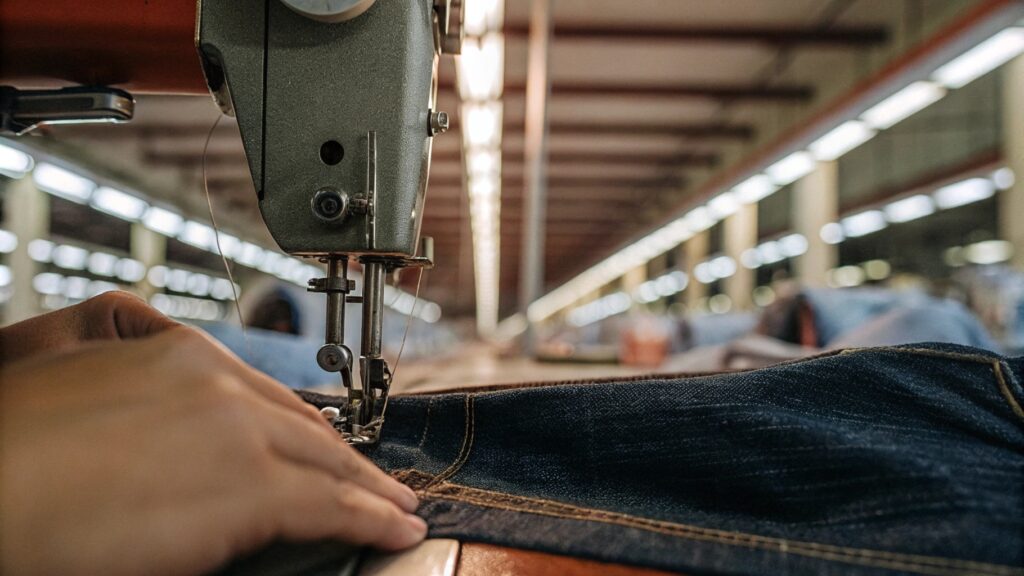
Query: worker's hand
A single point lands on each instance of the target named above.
(168, 455)
(109, 316)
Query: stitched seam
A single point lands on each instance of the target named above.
(1004, 389)
(877, 558)
(995, 364)
(426, 424)
(467, 445)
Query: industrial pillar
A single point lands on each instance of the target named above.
(27, 215)
(538, 89)
(150, 248)
(632, 280)
(695, 250)
(815, 204)
(1011, 200)
(740, 231)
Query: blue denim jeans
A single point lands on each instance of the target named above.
(873, 461)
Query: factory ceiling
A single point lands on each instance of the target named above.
(650, 98)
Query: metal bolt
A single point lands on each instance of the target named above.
(330, 205)
(438, 123)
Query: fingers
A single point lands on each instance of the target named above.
(302, 442)
(311, 505)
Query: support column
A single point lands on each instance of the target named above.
(1011, 201)
(695, 250)
(632, 280)
(740, 234)
(150, 248)
(538, 89)
(27, 212)
(815, 204)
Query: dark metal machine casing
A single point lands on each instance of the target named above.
(294, 83)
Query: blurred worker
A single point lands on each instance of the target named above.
(132, 444)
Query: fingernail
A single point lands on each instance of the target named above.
(417, 525)
(410, 502)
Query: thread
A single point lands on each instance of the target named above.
(216, 237)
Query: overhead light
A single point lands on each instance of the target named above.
(763, 296)
(70, 257)
(791, 168)
(770, 252)
(907, 209)
(130, 270)
(482, 16)
(864, 223)
(841, 140)
(699, 219)
(157, 276)
(845, 277)
(482, 124)
(249, 255)
(988, 252)
(483, 162)
(64, 183)
(965, 192)
(723, 205)
(163, 221)
(5, 276)
(101, 263)
(876, 269)
(1003, 178)
(600, 309)
(481, 68)
(903, 104)
(719, 304)
(722, 267)
(981, 59)
(118, 203)
(40, 250)
(8, 241)
(198, 235)
(751, 259)
(792, 245)
(755, 189)
(48, 283)
(832, 233)
(14, 162)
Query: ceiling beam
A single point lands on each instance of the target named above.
(843, 36)
(758, 92)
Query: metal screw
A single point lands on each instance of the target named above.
(330, 205)
(438, 123)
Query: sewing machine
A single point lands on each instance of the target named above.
(335, 101)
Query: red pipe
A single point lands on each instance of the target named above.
(143, 46)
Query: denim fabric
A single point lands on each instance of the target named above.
(286, 358)
(873, 461)
(836, 312)
(930, 321)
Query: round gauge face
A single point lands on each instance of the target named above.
(329, 10)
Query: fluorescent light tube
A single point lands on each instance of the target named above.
(981, 59)
(754, 189)
(63, 183)
(791, 168)
(14, 162)
(903, 104)
(864, 223)
(841, 140)
(965, 192)
(907, 209)
(118, 203)
(163, 221)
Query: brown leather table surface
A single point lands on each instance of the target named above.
(488, 560)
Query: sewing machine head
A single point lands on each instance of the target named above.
(335, 102)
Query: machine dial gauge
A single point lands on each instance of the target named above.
(329, 10)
